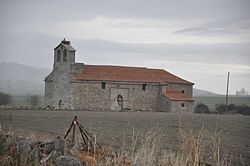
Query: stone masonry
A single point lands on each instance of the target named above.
(78, 86)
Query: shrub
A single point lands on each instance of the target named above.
(220, 108)
(241, 109)
(245, 110)
(202, 108)
(231, 107)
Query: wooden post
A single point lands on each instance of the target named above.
(74, 128)
(228, 74)
(88, 139)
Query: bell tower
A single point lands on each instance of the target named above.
(64, 55)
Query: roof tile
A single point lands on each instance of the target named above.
(177, 96)
(122, 73)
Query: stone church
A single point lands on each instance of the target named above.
(78, 86)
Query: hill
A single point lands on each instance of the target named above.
(199, 92)
(22, 79)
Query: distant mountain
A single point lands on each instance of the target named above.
(22, 79)
(199, 92)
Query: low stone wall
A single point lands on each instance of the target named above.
(27, 151)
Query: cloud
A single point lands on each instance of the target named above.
(132, 30)
(197, 37)
(100, 50)
(127, 21)
(37, 49)
(64, 10)
(230, 26)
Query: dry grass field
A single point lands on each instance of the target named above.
(114, 128)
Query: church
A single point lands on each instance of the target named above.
(78, 86)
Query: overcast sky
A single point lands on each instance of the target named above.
(199, 40)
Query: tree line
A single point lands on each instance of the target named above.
(221, 109)
(6, 99)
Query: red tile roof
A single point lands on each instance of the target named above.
(122, 73)
(177, 96)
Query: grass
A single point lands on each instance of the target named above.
(148, 151)
(116, 128)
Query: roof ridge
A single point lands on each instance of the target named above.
(117, 66)
(128, 73)
(137, 67)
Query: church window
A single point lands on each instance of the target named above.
(183, 105)
(58, 56)
(103, 85)
(144, 86)
(64, 55)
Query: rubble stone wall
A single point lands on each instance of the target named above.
(90, 95)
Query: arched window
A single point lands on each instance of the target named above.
(64, 55)
(120, 100)
(58, 56)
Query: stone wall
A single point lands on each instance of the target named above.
(62, 91)
(188, 106)
(90, 95)
(176, 106)
(65, 64)
(165, 105)
(48, 93)
(187, 88)
(59, 89)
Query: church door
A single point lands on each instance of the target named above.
(120, 101)
(60, 104)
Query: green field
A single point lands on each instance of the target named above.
(212, 101)
(112, 128)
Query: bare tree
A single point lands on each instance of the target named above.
(5, 98)
(34, 100)
(242, 91)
